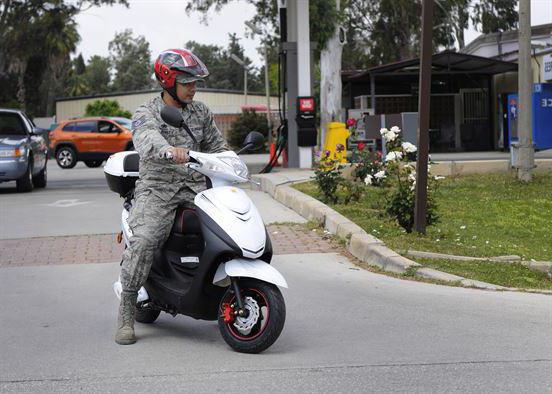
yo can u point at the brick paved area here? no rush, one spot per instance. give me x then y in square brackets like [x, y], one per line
[102, 248]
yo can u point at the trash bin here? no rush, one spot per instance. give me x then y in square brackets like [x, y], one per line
[337, 134]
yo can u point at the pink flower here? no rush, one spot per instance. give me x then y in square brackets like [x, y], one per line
[351, 122]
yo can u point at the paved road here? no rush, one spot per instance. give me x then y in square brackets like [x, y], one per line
[347, 330]
[78, 201]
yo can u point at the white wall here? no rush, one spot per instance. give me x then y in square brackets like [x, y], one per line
[218, 102]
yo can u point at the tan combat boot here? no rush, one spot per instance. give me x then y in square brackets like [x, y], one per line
[125, 321]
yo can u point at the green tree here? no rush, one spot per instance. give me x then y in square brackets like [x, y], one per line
[490, 16]
[76, 83]
[106, 108]
[36, 40]
[224, 72]
[131, 57]
[248, 120]
[97, 75]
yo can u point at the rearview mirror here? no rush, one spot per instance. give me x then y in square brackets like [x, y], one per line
[171, 116]
[253, 141]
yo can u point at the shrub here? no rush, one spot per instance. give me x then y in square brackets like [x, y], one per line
[327, 176]
[248, 120]
[401, 177]
[106, 108]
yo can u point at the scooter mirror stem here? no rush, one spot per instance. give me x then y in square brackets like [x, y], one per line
[244, 148]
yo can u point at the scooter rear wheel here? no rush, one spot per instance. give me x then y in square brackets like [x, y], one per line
[260, 329]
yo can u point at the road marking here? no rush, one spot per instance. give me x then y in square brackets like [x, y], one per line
[67, 203]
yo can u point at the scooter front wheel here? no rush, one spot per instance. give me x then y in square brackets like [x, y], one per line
[266, 315]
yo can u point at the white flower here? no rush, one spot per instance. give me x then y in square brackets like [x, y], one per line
[391, 135]
[438, 178]
[380, 174]
[392, 156]
[368, 179]
[412, 177]
[462, 227]
[408, 147]
[395, 129]
[388, 135]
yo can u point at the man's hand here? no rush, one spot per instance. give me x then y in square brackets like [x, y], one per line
[180, 155]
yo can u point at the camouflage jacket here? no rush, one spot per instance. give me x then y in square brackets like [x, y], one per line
[152, 137]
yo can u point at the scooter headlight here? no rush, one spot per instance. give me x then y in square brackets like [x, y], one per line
[239, 167]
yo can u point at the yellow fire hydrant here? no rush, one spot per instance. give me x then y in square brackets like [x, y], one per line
[336, 141]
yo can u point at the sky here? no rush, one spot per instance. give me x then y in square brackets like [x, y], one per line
[164, 24]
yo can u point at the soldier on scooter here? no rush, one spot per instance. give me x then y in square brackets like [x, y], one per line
[163, 186]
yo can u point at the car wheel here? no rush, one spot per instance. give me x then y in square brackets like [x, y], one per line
[93, 163]
[25, 183]
[42, 178]
[66, 157]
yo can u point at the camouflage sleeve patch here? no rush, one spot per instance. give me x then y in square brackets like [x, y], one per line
[140, 120]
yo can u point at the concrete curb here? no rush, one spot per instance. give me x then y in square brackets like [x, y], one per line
[360, 244]
[538, 266]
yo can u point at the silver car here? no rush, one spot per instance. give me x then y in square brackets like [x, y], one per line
[23, 151]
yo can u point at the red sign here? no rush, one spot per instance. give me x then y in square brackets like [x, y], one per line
[306, 104]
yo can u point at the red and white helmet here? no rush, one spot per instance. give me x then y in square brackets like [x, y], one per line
[178, 65]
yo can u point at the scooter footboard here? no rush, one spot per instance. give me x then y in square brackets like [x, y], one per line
[249, 268]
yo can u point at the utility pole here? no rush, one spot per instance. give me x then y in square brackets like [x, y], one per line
[420, 205]
[525, 151]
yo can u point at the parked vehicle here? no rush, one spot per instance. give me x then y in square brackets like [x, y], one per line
[23, 151]
[125, 122]
[216, 263]
[91, 140]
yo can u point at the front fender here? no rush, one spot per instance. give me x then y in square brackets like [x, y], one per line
[249, 268]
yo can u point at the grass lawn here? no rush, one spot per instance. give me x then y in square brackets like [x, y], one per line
[502, 274]
[480, 216]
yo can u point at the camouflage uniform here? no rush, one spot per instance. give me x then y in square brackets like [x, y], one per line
[163, 185]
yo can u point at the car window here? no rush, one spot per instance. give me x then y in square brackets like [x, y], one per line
[124, 122]
[69, 127]
[85, 127]
[107, 127]
[11, 124]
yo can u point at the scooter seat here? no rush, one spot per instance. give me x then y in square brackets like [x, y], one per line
[186, 222]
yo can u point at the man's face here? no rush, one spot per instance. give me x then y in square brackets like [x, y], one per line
[186, 91]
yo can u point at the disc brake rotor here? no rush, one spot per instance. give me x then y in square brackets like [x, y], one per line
[245, 324]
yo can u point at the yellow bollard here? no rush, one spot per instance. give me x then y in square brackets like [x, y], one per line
[337, 133]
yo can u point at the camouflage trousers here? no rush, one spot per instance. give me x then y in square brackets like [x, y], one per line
[151, 219]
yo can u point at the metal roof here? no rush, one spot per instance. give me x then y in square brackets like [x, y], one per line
[442, 63]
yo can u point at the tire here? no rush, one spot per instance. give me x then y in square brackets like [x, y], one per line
[25, 183]
[268, 325]
[66, 157]
[146, 315]
[41, 179]
[93, 163]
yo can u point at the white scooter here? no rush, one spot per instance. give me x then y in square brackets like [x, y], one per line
[216, 263]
